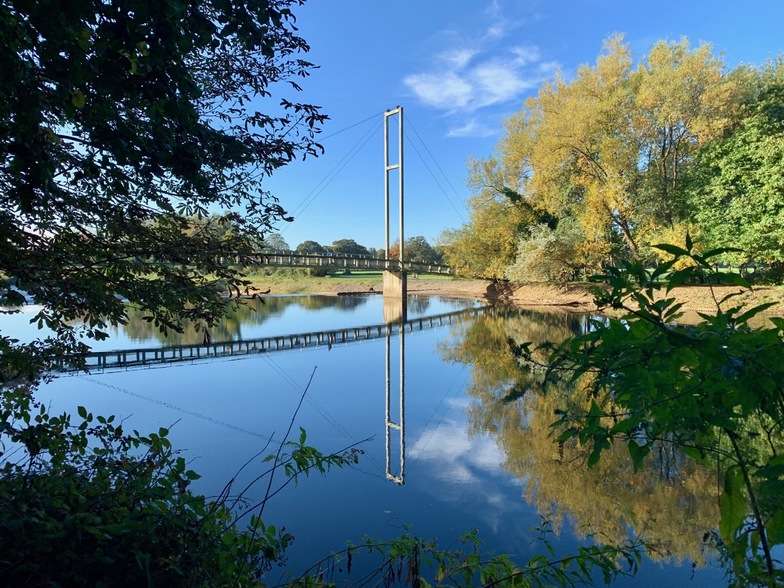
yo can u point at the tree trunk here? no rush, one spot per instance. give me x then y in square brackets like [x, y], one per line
[623, 225]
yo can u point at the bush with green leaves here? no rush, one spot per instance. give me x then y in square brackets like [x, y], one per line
[86, 503]
[547, 254]
[715, 387]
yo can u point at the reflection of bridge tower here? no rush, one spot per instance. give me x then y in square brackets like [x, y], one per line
[395, 423]
[394, 273]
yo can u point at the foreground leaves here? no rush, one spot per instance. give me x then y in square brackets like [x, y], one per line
[715, 387]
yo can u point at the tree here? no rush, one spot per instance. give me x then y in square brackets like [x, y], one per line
[610, 147]
[117, 119]
[309, 247]
[550, 255]
[274, 242]
[738, 184]
[416, 249]
[486, 245]
[348, 247]
[670, 502]
[123, 125]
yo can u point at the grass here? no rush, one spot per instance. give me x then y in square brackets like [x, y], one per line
[296, 281]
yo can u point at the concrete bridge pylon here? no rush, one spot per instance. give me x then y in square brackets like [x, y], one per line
[395, 297]
[395, 286]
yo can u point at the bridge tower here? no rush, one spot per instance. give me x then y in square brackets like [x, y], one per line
[394, 272]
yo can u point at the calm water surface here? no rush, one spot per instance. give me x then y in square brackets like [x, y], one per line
[472, 460]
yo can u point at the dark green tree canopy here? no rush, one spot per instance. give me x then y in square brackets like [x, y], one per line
[348, 246]
[118, 118]
[418, 249]
[738, 184]
[309, 247]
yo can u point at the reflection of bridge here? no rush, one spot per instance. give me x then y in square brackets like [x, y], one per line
[130, 358]
[348, 261]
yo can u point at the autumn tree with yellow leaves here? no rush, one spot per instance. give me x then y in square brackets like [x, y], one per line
[608, 148]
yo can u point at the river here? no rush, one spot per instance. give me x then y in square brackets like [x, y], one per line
[473, 454]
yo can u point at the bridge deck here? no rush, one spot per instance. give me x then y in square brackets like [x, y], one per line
[130, 358]
[313, 260]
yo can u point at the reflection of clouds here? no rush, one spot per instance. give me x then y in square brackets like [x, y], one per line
[464, 468]
[459, 458]
[461, 403]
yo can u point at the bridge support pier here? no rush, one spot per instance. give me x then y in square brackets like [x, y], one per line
[395, 291]
[395, 284]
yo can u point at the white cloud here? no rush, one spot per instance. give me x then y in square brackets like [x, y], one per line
[468, 468]
[496, 31]
[497, 83]
[446, 91]
[463, 80]
[487, 72]
[457, 58]
[493, 9]
[472, 128]
[525, 55]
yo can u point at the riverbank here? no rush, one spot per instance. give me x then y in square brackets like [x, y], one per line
[693, 298]
[573, 296]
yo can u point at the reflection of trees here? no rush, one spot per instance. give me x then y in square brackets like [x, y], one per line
[418, 304]
[246, 313]
[343, 303]
[230, 327]
[670, 502]
[483, 344]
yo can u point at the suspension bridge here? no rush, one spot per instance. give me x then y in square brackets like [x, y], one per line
[395, 269]
[348, 262]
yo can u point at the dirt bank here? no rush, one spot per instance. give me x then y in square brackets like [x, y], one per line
[579, 297]
[694, 298]
[571, 296]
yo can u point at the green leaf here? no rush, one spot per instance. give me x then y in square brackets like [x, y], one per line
[754, 311]
[720, 251]
[638, 453]
[566, 435]
[778, 322]
[775, 528]
[624, 426]
[662, 269]
[679, 277]
[730, 279]
[82, 411]
[697, 454]
[78, 99]
[672, 249]
[732, 504]
[599, 444]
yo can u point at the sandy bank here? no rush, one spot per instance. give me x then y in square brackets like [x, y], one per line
[571, 296]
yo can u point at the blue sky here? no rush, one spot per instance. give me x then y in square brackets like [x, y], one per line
[458, 68]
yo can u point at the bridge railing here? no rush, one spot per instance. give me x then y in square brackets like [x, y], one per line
[347, 261]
